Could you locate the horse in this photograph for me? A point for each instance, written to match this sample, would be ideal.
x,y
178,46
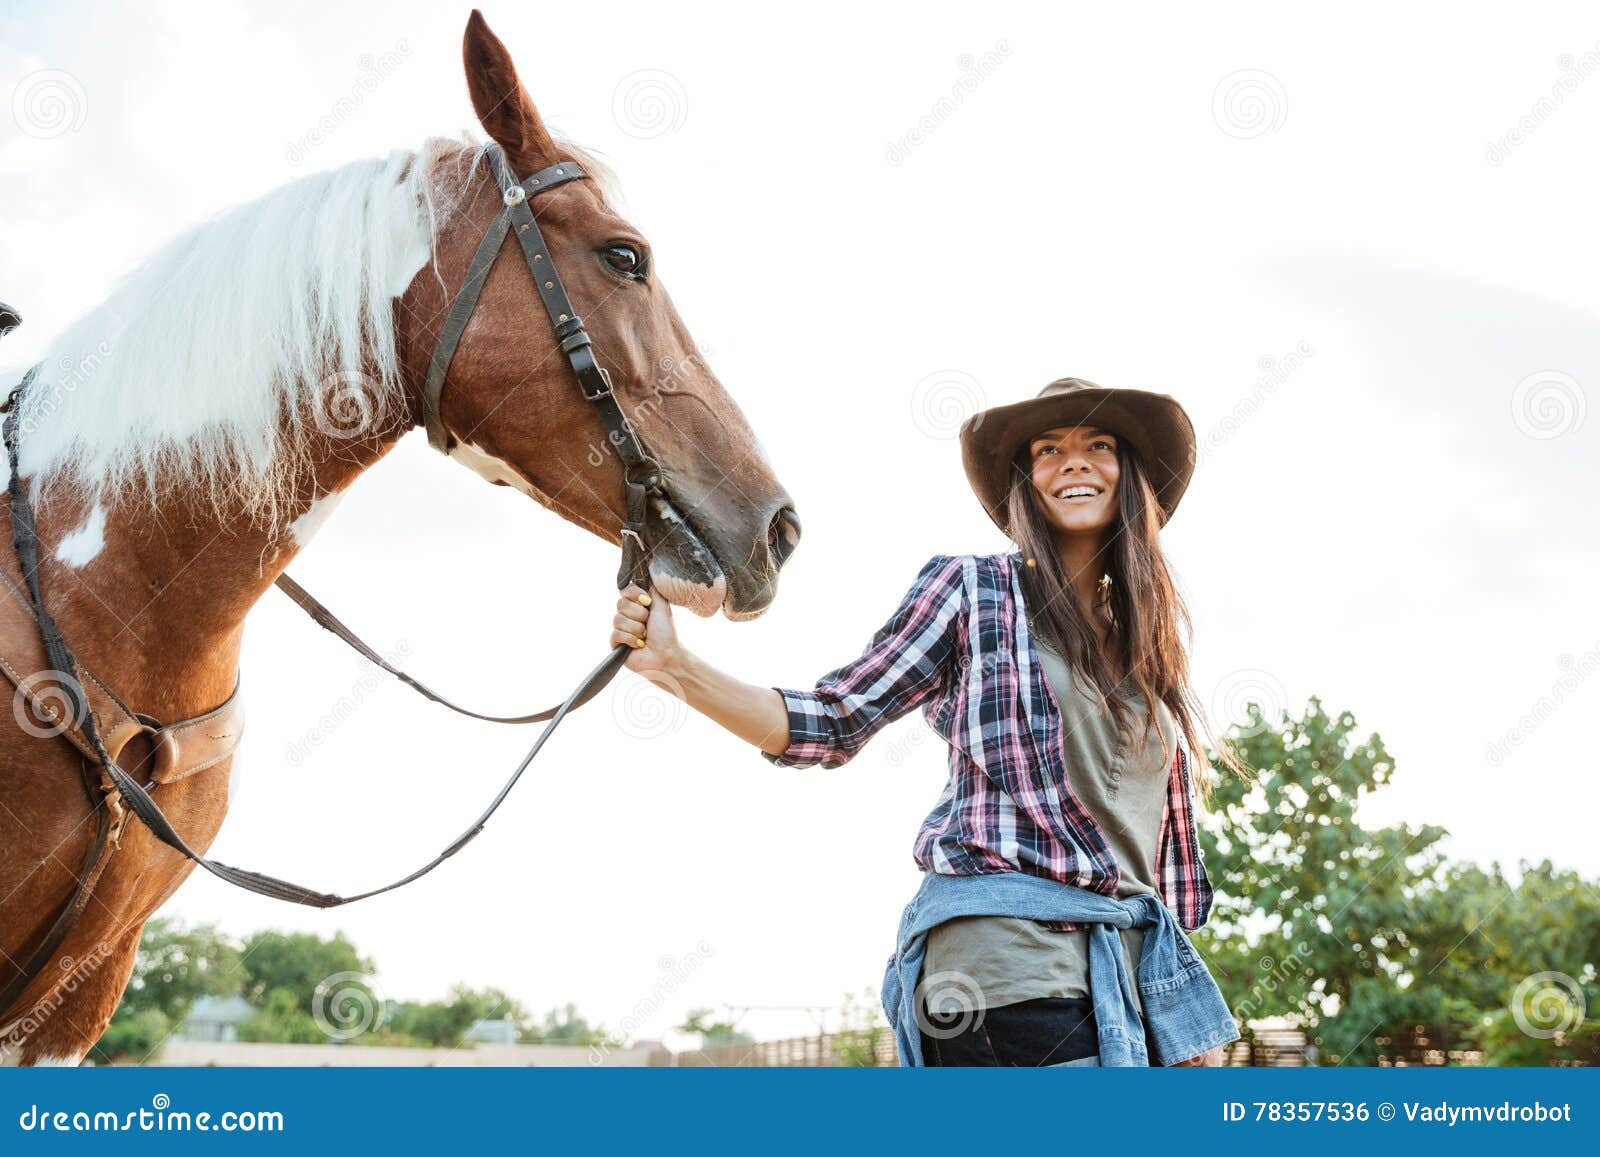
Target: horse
x,y
183,441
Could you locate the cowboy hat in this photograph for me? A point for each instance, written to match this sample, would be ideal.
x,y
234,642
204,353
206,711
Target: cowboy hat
x,y
1155,425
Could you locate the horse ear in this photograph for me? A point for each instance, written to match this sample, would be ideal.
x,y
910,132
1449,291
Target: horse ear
x,y
502,105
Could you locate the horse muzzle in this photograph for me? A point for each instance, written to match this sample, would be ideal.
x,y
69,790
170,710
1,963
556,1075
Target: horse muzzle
x,y
682,567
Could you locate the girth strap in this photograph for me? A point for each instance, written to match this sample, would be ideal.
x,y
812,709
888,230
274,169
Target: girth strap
x,y
178,750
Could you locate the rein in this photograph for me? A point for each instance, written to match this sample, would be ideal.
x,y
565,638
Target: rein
x,y
642,478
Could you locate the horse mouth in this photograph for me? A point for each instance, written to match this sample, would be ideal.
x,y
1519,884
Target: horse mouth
x,y
683,568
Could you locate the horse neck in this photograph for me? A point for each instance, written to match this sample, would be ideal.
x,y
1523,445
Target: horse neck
x,y
158,610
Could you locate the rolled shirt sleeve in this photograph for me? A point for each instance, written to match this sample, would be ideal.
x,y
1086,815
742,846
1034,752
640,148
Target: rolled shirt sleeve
x,y
901,667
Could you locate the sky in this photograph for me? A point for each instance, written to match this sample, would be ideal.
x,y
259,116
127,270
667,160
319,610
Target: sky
x,y
1359,250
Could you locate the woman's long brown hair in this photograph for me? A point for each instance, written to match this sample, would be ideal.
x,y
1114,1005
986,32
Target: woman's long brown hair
x,y
1150,625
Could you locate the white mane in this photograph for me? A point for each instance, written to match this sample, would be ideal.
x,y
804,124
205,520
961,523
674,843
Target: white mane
x,y
204,366
202,358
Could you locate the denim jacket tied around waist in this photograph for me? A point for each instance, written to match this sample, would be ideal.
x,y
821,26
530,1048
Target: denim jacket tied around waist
x,y
1185,1012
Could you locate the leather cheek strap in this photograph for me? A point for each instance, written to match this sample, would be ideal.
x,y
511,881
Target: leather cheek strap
x,y
466,299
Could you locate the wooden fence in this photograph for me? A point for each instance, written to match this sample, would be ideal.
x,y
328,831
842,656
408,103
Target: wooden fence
x,y
1263,1046
1280,1048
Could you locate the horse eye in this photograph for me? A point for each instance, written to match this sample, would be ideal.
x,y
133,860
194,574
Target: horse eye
x,y
624,259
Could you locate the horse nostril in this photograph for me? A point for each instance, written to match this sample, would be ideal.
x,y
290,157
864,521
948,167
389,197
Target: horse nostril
x,y
783,534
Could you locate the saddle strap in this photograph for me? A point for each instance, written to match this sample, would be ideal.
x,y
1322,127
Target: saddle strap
x,y
177,750
94,863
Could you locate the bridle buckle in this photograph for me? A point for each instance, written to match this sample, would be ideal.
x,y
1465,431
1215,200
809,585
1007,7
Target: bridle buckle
x,y
605,384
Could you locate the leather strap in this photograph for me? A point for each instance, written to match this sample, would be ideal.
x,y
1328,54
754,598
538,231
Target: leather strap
x,y
330,622
179,750
455,324
466,300
94,864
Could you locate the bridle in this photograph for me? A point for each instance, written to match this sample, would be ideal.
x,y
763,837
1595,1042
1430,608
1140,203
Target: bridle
x,y
642,477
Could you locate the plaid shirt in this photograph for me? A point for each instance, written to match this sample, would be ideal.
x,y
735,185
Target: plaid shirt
x,y
959,648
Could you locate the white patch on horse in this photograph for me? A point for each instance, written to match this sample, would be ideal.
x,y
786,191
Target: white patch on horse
x,y
497,470
50,1061
82,546
486,465
316,514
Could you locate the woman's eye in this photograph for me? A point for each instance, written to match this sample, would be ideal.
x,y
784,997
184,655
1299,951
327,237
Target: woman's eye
x,y
624,259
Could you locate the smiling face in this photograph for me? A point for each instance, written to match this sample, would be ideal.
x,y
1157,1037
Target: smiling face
x,y
1075,472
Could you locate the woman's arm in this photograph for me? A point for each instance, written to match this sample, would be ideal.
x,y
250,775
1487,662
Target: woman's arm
x,y
755,714
903,665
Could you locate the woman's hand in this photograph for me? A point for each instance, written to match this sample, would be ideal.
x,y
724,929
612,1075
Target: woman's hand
x,y
644,622
754,713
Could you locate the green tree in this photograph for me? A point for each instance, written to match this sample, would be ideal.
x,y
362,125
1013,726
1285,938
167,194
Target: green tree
x,y
1308,899
281,1020
444,1023
297,963
861,1023
134,1034
712,1032
173,967
1363,934
564,1026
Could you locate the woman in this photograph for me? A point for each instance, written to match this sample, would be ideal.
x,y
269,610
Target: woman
x,y
1063,848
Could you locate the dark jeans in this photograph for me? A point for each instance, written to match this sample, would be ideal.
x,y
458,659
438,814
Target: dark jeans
x,y
1049,1030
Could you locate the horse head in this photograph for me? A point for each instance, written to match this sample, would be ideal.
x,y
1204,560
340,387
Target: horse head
x,y
513,409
